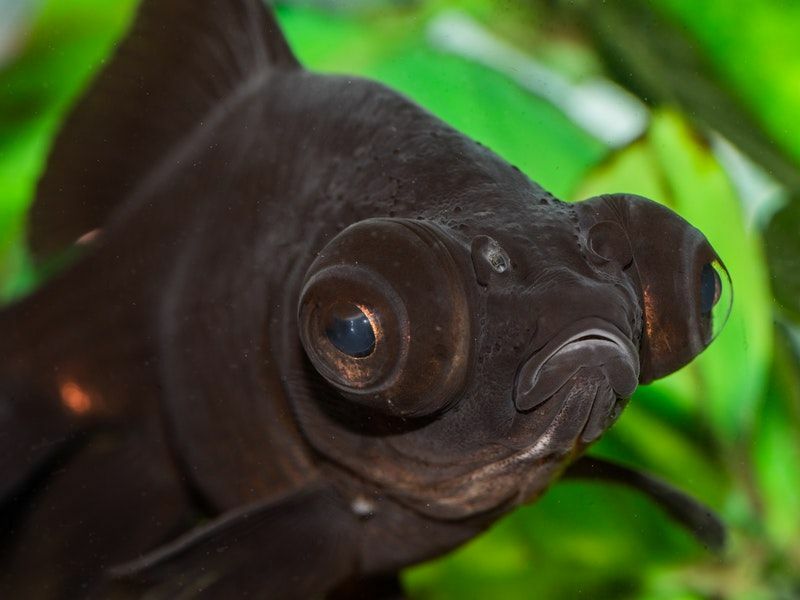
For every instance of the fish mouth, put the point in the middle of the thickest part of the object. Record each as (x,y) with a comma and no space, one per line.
(574,415)
(573,389)
(591,360)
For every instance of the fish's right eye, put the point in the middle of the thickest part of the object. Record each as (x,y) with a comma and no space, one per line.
(351,330)
(354,327)
(383,317)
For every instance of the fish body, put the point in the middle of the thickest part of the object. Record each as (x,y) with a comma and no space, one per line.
(312,334)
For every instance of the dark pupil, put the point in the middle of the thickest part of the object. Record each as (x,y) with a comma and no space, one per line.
(709,289)
(350,331)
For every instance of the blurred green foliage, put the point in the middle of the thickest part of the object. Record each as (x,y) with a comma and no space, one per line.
(727,427)
(754,47)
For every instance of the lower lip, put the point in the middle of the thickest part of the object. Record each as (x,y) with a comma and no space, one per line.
(529,389)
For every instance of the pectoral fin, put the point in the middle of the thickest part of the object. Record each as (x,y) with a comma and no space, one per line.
(297,546)
(699,519)
(34,438)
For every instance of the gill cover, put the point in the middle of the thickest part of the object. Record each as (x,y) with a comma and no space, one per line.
(383,316)
(684,288)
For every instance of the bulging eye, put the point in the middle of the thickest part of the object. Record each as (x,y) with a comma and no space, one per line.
(383,316)
(710,289)
(716,298)
(350,330)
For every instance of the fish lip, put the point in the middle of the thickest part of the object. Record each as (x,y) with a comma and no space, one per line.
(565,424)
(602,413)
(592,328)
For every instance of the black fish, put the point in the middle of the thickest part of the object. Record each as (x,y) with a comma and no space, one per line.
(312,334)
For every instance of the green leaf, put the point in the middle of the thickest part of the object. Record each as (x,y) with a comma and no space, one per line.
(756,51)
(777,449)
(525,130)
(783,249)
(659,60)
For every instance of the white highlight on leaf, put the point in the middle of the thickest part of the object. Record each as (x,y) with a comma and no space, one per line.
(15,18)
(760,195)
(599,106)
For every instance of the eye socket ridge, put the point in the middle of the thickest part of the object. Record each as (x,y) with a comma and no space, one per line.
(402,282)
(355,328)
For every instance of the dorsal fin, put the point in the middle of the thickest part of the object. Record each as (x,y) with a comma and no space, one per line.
(182,61)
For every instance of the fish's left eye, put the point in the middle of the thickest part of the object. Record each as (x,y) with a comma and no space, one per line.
(710,289)
(714,296)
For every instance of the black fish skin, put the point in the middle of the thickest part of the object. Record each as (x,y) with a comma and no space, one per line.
(172,421)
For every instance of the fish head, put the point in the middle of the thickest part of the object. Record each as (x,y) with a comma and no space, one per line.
(481,355)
